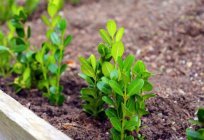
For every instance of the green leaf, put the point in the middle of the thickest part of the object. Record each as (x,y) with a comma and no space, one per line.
(57,55)
(116,87)
(104,87)
(19,48)
(105,79)
(62,25)
(107,67)
(26,81)
(86,68)
(45,20)
(20,32)
(85,77)
(139,67)
(89,91)
(119,34)
(193,135)
(111,27)
(18,68)
(67,40)
(200,115)
(115,134)
(53,68)
(129,138)
(147,96)
(126,111)
(117,50)
(107,100)
(128,62)
(101,49)
(145,75)
(147,86)
(131,124)
(93,61)
(131,105)
(4,49)
(87,98)
(111,112)
(114,75)
(63,68)
(52,9)
(55,38)
(53,90)
(120,63)
(104,35)
(135,87)
(116,123)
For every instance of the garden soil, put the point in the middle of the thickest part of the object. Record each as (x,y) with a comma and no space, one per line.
(167,34)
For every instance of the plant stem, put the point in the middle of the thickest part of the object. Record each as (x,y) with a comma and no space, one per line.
(123,118)
(45,77)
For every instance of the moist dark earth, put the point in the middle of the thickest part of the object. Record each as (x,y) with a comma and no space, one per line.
(167,34)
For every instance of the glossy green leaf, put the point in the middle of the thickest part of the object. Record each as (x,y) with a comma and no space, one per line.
(62,24)
(139,67)
(129,138)
(53,68)
(147,96)
(200,115)
(131,124)
(63,68)
(93,61)
(101,49)
(107,67)
(107,100)
(135,87)
(19,48)
(127,111)
(128,62)
(111,27)
(116,87)
(67,40)
(117,50)
(116,123)
(20,32)
(89,91)
(194,135)
(115,134)
(85,77)
(104,87)
(114,75)
(111,112)
(55,38)
(2,48)
(119,34)
(104,35)
(147,86)
(86,67)
(52,9)
(45,20)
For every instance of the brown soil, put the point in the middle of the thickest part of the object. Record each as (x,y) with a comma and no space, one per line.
(168,35)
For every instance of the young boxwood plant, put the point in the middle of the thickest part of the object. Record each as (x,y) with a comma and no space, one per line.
(198,133)
(20,47)
(122,84)
(125,84)
(50,56)
(5,53)
(92,70)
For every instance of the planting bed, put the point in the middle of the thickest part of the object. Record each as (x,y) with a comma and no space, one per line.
(168,35)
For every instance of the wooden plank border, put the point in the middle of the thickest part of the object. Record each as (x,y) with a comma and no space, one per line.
(19,123)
